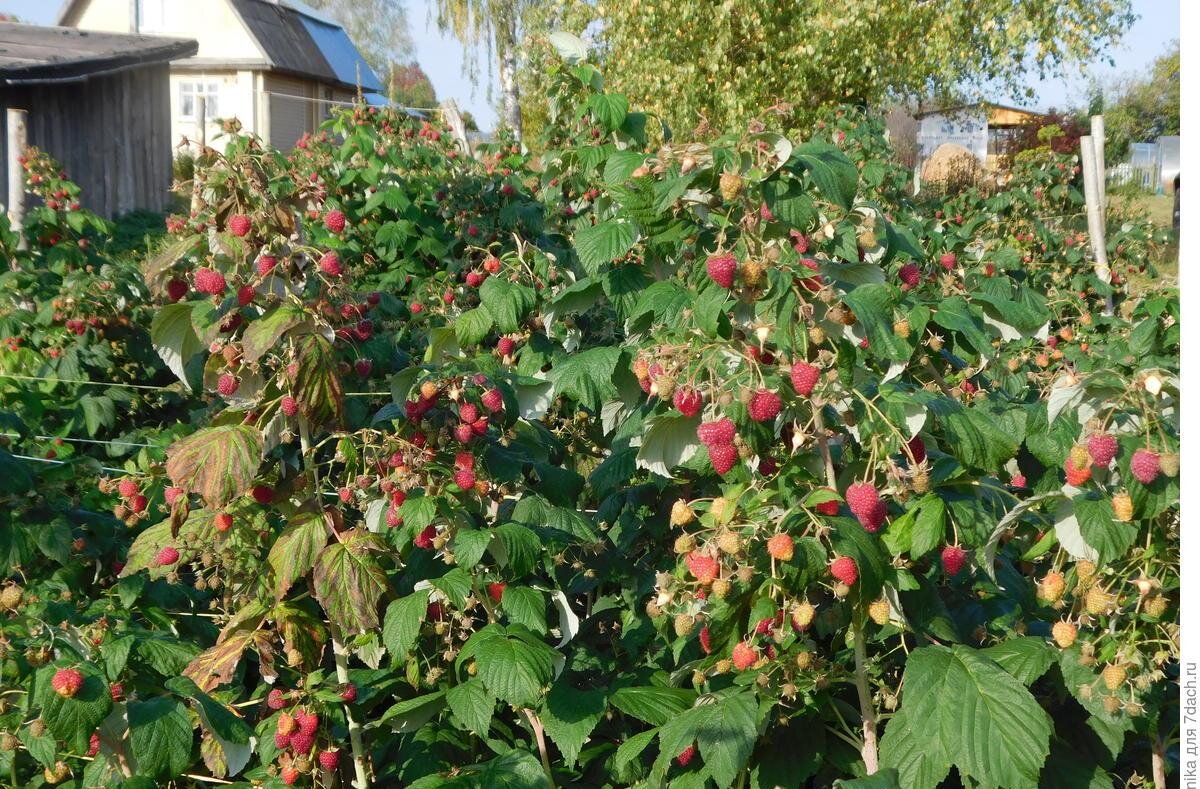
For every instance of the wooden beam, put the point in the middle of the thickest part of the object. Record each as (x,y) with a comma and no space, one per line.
(16,173)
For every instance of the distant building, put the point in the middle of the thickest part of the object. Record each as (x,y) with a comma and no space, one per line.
(277,66)
(99,103)
(984,129)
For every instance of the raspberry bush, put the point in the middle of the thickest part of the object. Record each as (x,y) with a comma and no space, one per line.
(630,463)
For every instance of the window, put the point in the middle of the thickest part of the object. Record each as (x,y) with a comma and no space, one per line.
(152,15)
(188,91)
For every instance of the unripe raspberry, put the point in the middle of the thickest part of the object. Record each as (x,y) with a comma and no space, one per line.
(1156,606)
(781,547)
(721,587)
(844,569)
(685,544)
(1079,457)
(223,521)
(879,611)
(289,775)
(729,543)
(1064,634)
(1122,505)
(948,260)
(1051,588)
(1098,602)
(744,655)
(1076,476)
(10,597)
(67,682)
(802,615)
(902,328)
(1168,463)
(285,724)
(1114,676)
(1085,570)
(684,623)
(681,514)
(804,659)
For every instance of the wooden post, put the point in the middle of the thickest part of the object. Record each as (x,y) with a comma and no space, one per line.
(1101,172)
(202,121)
(458,127)
(1091,193)
(16,173)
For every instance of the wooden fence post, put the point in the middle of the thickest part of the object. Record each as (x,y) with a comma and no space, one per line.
(1091,193)
(1101,170)
(458,127)
(16,173)
(202,121)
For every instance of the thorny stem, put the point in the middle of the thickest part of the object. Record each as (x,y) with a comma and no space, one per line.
(870,748)
(341,662)
(823,443)
(540,736)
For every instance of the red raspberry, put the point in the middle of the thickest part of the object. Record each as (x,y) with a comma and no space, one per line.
(223,521)
(916,448)
(723,458)
(804,378)
(330,264)
(262,494)
(811,284)
(393,518)
(721,269)
(463,433)
(1103,448)
(329,759)
(349,693)
(781,547)
(308,722)
(703,567)
(301,743)
(93,744)
(493,400)
(720,432)
(289,406)
(688,400)
(227,385)
(475,279)
(744,655)
(67,682)
(686,755)
(468,412)
(335,221)
(172,495)
(1018,481)
(289,775)
(1078,476)
(862,498)
(495,590)
(115,691)
(953,559)
(763,626)
(265,265)
(363,367)
(831,507)
(239,225)
(464,460)
(492,265)
(910,276)
(176,289)
(948,261)
(505,346)
(764,405)
(465,478)
(873,519)
(127,487)
(138,503)
(282,741)
(210,281)
(844,569)
(165,556)
(424,540)
(1144,465)
(275,699)
(245,295)
(706,640)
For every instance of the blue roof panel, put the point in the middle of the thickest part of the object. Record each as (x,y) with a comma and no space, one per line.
(341,54)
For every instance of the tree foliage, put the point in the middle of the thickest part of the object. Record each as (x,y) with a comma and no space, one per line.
(379,28)
(1143,107)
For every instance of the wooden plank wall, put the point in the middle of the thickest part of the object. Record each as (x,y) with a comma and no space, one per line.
(112,134)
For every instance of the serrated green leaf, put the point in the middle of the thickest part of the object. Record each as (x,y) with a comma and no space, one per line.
(160,736)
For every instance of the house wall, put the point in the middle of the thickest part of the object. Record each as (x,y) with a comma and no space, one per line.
(298,106)
(236,99)
(213,23)
(111,134)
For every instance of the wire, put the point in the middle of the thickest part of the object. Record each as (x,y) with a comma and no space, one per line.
(83,440)
(65,463)
(86,382)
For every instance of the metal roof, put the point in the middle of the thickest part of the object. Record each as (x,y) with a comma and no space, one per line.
(991,105)
(38,54)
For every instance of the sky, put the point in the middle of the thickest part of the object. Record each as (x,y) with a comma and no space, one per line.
(441,56)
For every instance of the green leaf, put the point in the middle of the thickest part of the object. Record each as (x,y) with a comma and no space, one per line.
(587,377)
(632,748)
(609,109)
(219,463)
(995,731)
(873,306)
(725,732)
(570,715)
(160,735)
(348,580)
(652,704)
(174,339)
(402,624)
(471,702)
(669,442)
(1025,657)
(955,314)
(887,778)
(516,769)
(74,719)
(929,528)
(1111,538)
(264,332)
(514,669)
(849,538)
(835,176)
(508,302)
(469,545)
(473,326)
(412,714)
(525,606)
(165,654)
(294,552)
(599,245)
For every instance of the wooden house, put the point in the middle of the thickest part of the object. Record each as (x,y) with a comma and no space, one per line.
(99,103)
(277,66)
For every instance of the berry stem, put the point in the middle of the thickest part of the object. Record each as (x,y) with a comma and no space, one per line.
(540,736)
(823,443)
(870,748)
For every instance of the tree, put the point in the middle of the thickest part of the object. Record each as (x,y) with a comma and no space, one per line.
(379,28)
(410,86)
(694,59)
(1140,108)
(495,25)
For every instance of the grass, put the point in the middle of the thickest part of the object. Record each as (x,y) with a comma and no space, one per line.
(1160,210)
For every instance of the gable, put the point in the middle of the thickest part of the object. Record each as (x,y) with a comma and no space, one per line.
(213,24)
